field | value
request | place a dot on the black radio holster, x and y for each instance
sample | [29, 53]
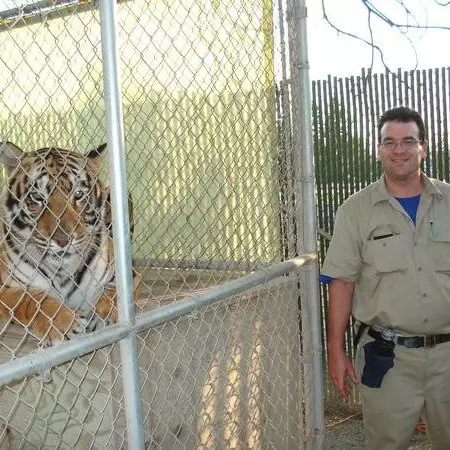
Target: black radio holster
[379, 358]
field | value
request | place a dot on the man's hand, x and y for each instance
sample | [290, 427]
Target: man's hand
[340, 369]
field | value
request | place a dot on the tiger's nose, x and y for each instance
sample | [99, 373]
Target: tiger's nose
[61, 238]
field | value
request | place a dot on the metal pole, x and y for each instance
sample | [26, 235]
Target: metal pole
[121, 228]
[306, 219]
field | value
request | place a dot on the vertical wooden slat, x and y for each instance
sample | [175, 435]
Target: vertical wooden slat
[328, 160]
[343, 141]
[412, 89]
[360, 133]
[337, 121]
[320, 161]
[331, 144]
[437, 125]
[378, 112]
[372, 118]
[348, 105]
[429, 163]
[366, 151]
[431, 124]
[355, 133]
[419, 90]
[383, 91]
[387, 79]
[393, 80]
[400, 88]
[445, 75]
[318, 151]
[405, 88]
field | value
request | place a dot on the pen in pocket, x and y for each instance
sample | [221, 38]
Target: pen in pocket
[432, 229]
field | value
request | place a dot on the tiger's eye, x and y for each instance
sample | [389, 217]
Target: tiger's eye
[36, 196]
[79, 194]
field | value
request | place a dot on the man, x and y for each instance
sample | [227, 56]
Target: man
[389, 265]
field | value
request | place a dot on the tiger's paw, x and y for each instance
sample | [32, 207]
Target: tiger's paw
[80, 325]
[69, 325]
[69, 329]
[96, 321]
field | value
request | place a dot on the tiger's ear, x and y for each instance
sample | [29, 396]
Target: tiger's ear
[95, 158]
[10, 155]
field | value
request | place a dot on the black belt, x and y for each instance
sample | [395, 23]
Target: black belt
[412, 341]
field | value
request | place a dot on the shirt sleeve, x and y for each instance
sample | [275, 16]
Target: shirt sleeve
[325, 278]
[343, 259]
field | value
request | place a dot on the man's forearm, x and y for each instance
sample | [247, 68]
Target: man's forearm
[339, 311]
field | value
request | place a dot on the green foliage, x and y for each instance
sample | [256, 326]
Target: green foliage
[341, 155]
[344, 161]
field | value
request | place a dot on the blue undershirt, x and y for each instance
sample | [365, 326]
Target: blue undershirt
[409, 204]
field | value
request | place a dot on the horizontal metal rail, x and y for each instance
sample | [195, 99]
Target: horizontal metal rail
[42, 360]
[42, 11]
[324, 234]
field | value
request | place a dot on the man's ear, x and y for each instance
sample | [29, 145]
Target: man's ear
[424, 148]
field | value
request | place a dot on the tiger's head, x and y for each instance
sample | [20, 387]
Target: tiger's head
[54, 198]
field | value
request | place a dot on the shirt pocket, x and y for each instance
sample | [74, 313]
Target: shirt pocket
[440, 250]
[388, 254]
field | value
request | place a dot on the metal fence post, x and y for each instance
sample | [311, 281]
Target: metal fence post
[305, 210]
[115, 134]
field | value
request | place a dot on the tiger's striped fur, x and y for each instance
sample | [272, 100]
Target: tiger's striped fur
[56, 255]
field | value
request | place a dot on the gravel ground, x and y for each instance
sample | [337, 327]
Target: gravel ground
[344, 428]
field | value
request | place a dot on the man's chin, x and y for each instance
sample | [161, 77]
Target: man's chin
[400, 175]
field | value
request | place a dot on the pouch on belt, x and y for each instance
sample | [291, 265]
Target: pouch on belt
[379, 358]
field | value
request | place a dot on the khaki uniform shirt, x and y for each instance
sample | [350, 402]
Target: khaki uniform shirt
[401, 271]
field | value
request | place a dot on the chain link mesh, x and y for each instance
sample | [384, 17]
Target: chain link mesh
[204, 178]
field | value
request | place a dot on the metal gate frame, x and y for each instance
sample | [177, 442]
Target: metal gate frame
[128, 324]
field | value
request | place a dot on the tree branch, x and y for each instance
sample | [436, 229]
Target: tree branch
[371, 7]
[403, 28]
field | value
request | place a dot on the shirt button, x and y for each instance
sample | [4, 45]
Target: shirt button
[425, 320]
[424, 295]
[419, 269]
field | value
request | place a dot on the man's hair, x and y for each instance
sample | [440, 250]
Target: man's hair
[402, 114]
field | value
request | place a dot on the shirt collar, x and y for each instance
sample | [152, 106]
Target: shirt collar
[380, 192]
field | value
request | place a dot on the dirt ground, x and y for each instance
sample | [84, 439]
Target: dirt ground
[344, 428]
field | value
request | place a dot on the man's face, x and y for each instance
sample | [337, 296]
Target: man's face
[400, 150]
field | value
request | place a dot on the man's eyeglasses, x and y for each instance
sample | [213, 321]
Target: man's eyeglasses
[406, 144]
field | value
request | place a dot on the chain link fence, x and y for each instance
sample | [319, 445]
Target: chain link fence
[220, 352]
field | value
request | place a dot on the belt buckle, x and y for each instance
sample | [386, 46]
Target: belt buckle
[429, 341]
[389, 334]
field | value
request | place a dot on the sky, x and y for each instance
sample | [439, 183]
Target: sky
[336, 54]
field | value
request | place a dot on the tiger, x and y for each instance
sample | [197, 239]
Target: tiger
[56, 254]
